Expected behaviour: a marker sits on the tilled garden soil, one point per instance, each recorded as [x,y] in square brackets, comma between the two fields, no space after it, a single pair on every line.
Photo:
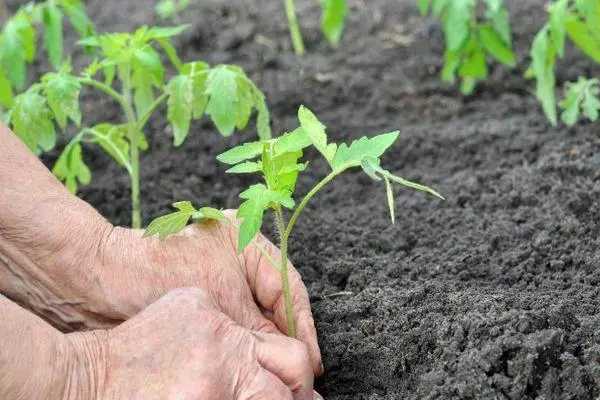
[491,294]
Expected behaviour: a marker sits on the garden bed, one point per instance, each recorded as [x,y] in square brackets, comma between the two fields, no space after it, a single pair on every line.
[491,294]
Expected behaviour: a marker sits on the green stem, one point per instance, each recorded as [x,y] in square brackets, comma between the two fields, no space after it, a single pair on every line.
[144,119]
[259,247]
[106,89]
[122,158]
[285,282]
[134,155]
[290,11]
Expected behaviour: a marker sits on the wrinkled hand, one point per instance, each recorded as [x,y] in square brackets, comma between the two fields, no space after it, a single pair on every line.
[245,287]
[182,347]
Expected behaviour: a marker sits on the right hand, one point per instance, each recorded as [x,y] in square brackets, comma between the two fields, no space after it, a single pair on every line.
[182,347]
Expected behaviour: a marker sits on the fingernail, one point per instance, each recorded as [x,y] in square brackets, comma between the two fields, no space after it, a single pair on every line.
[317,396]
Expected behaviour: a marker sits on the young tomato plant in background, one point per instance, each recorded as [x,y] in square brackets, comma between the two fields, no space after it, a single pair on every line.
[333,20]
[278,162]
[579,20]
[170,9]
[470,39]
[223,92]
[18,40]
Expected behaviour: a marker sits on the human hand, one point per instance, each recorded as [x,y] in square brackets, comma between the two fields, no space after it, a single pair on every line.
[182,347]
[245,286]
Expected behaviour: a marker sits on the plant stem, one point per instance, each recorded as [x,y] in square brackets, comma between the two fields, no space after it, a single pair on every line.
[144,119]
[106,89]
[285,283]
[284,233]
[290,11]
[136,214]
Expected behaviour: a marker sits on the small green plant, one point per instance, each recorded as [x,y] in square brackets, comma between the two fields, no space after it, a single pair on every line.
[223,92]
[170,9]
[579,20]
[471,39]
[18,40]
[277,160]
[333,20]
[581,97]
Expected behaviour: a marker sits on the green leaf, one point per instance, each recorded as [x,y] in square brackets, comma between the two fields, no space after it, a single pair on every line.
[75,10]
[171,223]
[457,23]
[495,46]
[439,6]
[171,52]
[582,36]
[6,90]
[474,66]
[53,35]
[166,9]
[390,198]
[167,32]
[143,91]
[362,148]
[452,60]
[333,20]
[291,142]
[372,166]
[467,85]
[543,59]
[180,104]
[581,95]
[62,92]
[112,139]
[258,198]
[241,153]
[17,44]
[558,12]
[263,120]
[223,102]
[210,213]
[32,121]
[70,167]
[247,167]
[199,72]
[245,102]
[150,60]
[315,130]
[424,6]
[280,170]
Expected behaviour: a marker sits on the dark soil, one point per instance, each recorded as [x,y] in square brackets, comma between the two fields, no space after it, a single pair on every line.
[491,294]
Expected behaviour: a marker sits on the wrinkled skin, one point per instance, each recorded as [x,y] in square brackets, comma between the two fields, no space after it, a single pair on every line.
[182,347]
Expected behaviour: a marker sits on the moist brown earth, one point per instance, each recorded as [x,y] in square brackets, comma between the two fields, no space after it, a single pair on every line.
[491,294]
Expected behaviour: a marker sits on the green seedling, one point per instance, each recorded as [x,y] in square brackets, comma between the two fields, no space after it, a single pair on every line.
[278,162]
[333,20]
[581,97]
[170,9]
[223,92]
[470,39]
[579,20]
[18,40]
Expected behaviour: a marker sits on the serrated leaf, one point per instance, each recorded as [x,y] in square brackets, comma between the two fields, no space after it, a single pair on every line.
[246,167]
[292,142]
[75,10]
[222,88]
[18,46]
[315,131]
[362,148]
[168,224]
[241,153]
[185,206]
[180,103]
[280,170]
[580,96]
[32,121]
[6,90]
[150,60]
[71,169]
[495,46]
[210,213]
[62,92]
[53,35]
[474,65]
[452,60]
[543,59]
[263,119]
[582,36]
[333,20]
[245,103]
[424,6]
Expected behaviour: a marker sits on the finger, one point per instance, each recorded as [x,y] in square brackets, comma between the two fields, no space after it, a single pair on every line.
[265,283]
[288,359]
[265,386]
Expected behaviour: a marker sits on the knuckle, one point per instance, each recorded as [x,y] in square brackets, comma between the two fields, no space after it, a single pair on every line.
[299,353]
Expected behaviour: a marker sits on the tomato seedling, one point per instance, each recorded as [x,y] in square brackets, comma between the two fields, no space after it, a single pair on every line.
[333,20]
[579,20]
[170,9]
[470,39]
[18,40]
[223,92]
[278,161]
